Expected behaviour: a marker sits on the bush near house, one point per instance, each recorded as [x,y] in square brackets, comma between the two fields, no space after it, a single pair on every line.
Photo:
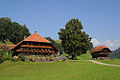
[4,54]
[1,56]
[14,59]
[22,57]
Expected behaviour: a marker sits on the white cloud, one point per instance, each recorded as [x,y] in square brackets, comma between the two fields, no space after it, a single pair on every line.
[111,44]
[95,42]
[116,41]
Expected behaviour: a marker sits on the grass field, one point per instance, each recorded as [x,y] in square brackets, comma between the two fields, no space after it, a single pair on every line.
[72,70]
[114,62]
[86,56]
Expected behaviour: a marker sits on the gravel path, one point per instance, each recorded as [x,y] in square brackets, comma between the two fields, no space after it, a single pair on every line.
[102,63]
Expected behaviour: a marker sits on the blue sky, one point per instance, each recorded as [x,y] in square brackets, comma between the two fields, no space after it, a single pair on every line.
[100,18]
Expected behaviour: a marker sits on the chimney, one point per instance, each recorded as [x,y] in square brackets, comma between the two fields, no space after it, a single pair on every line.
[24,37]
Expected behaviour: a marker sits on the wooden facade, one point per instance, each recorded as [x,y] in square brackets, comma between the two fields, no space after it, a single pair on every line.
[100,52]
[35,45]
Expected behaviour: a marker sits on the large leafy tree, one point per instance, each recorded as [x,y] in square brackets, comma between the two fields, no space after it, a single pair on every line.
[74,41]
[12,31]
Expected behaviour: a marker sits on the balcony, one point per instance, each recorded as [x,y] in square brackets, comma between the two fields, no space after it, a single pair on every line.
[34,46]
[34,51]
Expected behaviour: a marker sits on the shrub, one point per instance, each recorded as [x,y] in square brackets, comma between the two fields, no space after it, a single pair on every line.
[28,58]
[22,57]
[33,59]
[64,59]
[9,55]
[3,54]
[14,59]
[43,58]
[52,58]
[1,57]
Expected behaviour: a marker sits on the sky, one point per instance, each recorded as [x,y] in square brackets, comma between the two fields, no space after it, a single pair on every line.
[100,18]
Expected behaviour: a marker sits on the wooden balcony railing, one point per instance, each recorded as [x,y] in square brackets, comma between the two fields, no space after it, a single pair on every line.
[34,46]
[34,51]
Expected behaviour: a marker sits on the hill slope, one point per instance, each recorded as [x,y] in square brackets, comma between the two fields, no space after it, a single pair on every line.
[7,42]
[58,41]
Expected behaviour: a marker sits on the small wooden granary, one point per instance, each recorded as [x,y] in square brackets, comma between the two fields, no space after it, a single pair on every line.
[100,52]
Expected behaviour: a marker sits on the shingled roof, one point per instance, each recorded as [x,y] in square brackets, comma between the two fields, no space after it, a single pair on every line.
[36,38]
[98,48]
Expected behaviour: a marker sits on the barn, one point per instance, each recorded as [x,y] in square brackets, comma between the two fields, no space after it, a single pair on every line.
[100,52]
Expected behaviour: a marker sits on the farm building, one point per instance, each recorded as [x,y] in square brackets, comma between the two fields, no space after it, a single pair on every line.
[100,52]
[35,45]
[7,47]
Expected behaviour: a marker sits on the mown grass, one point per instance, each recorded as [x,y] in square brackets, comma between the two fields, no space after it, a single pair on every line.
[114,61]
[86,56]
[72,70]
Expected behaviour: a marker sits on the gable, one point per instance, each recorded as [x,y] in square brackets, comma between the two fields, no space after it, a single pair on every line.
[99,48]
[36,38]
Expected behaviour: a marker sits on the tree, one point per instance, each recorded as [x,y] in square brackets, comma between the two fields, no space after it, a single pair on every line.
[115,54]
[51,40]
[4,54]
[12,31]
[74,41]
[91,46]
[57,45]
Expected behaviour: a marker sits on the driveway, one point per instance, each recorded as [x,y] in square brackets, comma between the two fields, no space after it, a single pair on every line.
[102,63]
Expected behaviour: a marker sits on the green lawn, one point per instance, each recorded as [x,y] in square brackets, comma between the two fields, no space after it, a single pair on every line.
[86,56]
[72,70]
[115,61]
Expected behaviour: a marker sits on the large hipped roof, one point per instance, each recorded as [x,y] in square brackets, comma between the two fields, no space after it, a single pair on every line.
[36,38]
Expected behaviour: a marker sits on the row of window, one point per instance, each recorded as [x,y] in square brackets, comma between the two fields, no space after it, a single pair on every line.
[36,43]
[28,53]
[37,49]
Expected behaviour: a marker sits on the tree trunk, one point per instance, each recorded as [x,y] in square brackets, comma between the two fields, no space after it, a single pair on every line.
[74,56]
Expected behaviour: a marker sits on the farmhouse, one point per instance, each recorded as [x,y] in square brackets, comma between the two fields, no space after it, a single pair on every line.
[100,52]
[35,45]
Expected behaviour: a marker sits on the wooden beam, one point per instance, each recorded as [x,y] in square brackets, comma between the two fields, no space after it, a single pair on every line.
[34,51]
[34,46]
